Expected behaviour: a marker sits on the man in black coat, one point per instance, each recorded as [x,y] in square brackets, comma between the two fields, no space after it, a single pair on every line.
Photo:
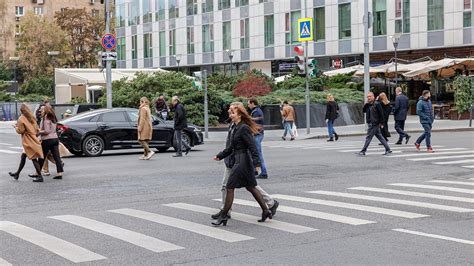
[375,119]
[180,123]
[400,115]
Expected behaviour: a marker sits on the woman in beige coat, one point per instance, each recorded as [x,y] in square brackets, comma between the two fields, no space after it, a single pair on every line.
[145,128]
[28,129]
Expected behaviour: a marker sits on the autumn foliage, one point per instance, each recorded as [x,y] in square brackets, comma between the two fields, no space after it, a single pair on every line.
[252,85]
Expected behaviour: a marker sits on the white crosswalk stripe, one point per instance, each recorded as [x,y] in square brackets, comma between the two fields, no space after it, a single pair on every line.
[310,213]
[141,240]
[6,144]
[9,151]
[394,201]
[460,190]
[365,208]
[382,149]
[455,162]
[468,166]
[441,158]
[185,225]
[274,224]
[4,262]
[415,194]
[53,244]
[463,241]
[436,153]
[452,182]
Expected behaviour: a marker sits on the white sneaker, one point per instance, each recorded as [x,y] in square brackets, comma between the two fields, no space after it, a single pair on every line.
[150,154]
[45,173]
[141,157]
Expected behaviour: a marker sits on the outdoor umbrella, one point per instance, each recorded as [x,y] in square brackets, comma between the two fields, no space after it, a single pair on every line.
[444,68]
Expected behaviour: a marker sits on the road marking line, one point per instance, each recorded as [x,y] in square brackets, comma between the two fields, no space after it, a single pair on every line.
[394,201]
[9,152]
[441,157]
[4,262]
[383,149]
[456,162]
[282,226]
[51,243]
[460,190]
[437,152]
[6,144]
[134,238]
[334,148]
[17,148]
[339,204]
[185,225]
[463,241]
[310,213]
[415,194]
[469,166]
[452,182]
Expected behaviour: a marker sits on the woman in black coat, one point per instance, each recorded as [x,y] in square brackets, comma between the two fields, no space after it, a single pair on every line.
[387,109]
[331,115]
[244,161]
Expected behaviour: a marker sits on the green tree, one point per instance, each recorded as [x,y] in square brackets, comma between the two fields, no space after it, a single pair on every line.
[5,73]
[41,86]
[463,90]
[4,96]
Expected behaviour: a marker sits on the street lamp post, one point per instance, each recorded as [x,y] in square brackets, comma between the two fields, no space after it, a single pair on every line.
[229,53]
[53,55]
[178,59]
[395,40]
[15,59]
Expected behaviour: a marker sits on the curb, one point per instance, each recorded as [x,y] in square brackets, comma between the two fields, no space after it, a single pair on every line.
[394,132]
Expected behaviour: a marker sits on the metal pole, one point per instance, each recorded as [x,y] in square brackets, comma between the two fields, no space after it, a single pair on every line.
[366,50]
[308,111]
[108,63]
[396,67]
[206,112]
[16,92]
[230,58]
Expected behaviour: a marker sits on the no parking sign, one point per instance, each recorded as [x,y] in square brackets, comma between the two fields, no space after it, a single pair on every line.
[108,41]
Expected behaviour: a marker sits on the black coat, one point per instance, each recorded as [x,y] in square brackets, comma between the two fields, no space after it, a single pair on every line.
[387,109]
[227,144]
[374,114]
[331,110]
[401,107]
[180,121]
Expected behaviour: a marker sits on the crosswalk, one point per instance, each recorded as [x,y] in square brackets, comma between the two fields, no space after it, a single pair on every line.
[453,156]
[8,148]
[304,210]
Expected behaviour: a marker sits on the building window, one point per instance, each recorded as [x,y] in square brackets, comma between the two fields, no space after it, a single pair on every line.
[147,45]
[207,6]
[435,14]
[467,4]
[244,33]
[223,4]
[191,7]
[241,3]
[121,49]
[467,19]
[160,7]
[17,29]
[344,21]
[207,38]
[263,1]
[162,43]
[173,9]
[319,23]
[226,36]
[172,42]
[269,30]
[287,28]
[292,24]
[147,15]
[133,16]
[120,15]
[190,34]
[19,11]
[134,47]
[39,11]
[380,17]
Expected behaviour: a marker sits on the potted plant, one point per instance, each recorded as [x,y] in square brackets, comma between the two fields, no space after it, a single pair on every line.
[463,99]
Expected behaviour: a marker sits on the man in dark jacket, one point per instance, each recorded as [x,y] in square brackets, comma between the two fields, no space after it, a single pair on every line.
[180,123]
[375,119]
[257,116]
[424,110]
[161,107]
[400,115]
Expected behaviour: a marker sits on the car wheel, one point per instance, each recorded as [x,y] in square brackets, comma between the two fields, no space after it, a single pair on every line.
[93,145]
[162,149]
[77,153]
[186,139]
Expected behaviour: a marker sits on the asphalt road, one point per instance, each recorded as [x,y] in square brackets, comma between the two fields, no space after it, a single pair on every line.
[407,208]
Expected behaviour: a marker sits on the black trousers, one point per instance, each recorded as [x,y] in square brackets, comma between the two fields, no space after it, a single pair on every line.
[400,128]
[374,130]
[179,141]
[52,145]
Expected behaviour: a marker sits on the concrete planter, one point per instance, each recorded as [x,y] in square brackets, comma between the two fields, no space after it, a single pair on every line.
[454,115]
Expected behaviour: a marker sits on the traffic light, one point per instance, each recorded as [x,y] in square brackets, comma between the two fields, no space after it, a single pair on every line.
[299,59]
[313,67]
[197,83]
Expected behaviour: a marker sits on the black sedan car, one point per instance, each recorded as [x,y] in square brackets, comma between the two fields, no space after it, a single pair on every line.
[92,132]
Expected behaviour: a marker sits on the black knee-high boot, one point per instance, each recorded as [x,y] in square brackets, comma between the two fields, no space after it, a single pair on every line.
[20,167]
[37,165]
[259,198]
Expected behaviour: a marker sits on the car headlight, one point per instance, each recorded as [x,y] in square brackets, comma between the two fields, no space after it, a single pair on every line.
[197,129]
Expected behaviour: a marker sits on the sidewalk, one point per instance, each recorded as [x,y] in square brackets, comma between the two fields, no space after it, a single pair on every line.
[412,125]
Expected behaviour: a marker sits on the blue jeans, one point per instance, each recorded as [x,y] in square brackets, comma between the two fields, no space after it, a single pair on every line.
[426,135]
[288,126]
[258,144]
[330,128]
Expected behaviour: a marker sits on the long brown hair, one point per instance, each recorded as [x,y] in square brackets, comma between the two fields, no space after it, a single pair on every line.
[26,112]
[245,117]
[48,113]
[383,98]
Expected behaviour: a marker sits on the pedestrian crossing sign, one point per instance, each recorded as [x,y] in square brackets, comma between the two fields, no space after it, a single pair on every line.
[305,32]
